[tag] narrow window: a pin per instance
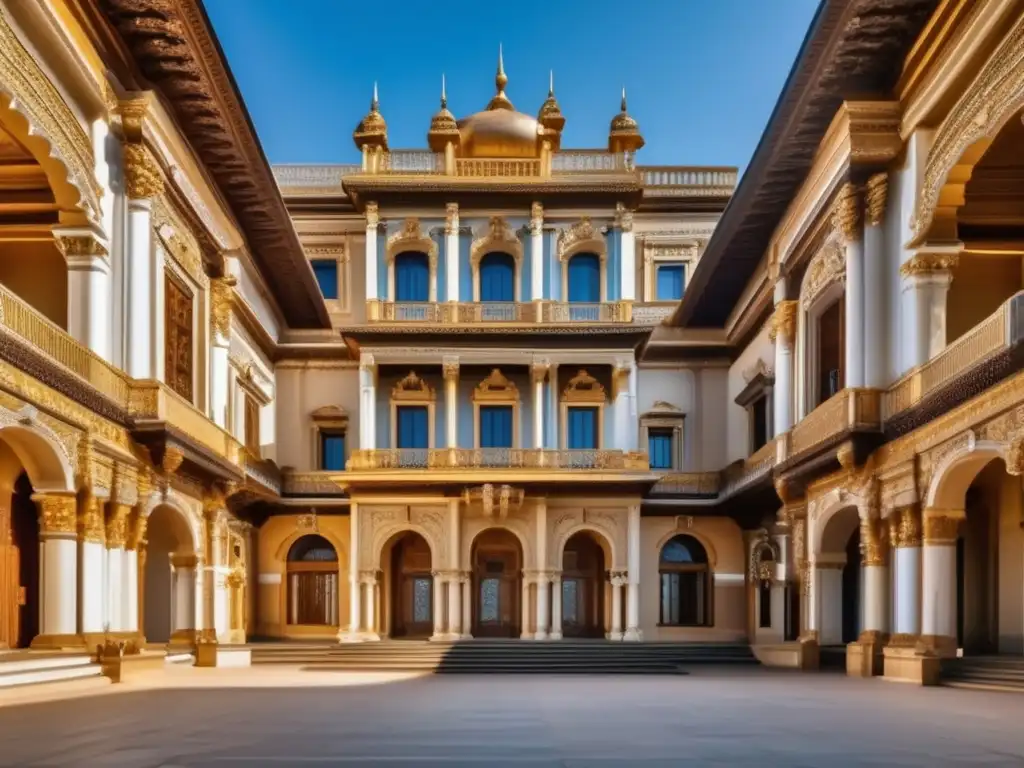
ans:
(660, 447)
(326, 271)
(671, 282)
(177, 337)
(252, 425)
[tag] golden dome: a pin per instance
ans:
(372, 131)
(624, 135)
(443, 128)
(499, 131)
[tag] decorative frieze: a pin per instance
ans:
(117, 526)
(90, 520)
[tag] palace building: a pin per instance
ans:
(499, 387)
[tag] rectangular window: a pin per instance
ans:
(759, 425)
(659, 448)
(332, 451)
(412, 426)
(252, 425)
(582, 428)
(765, 605)
(671, 282)
(830, 352)
(326, 271)
(177, 337)
(496, 426)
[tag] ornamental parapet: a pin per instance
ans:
(994, 337)
(849, 410)
(497, 458)
(497, 313)
(723, 484)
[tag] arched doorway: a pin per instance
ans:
(837, 592)
(169, 577)
(412, 587)
(981, 546)
(23, 565)
(313, 595)
(583, 577)
(685, 582)
(497, 584)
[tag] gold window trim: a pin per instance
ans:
(412, 239)
(583, 390)
(499, 238)
(582, 237)
(496, 389)
(413, 390)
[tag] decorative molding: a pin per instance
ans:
(875, 197)
(498, 237)
(581, 237)
(413, 389)
(496, 388)
(584, 388)
(929, 264)
(411, 237)
(827, 267)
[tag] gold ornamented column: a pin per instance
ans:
(876, 320)
(116, 543)
(213, 522)
(848, 226)
(450, 364)
(783, 333)
(135, 555)
(938, 567)
(93, 557)
(58, 571)
(905, 536)
(864, 658)
(183, 615)
(537, 263)
(222, 291)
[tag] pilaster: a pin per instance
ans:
(537, 264)
(926, 277)
(451, 253)
(624, 222)
(90, 297)
(58, 571)
(782, 333)
(370, 261)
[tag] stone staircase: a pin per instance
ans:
(994, 673)
(505, 656)
(22, 667)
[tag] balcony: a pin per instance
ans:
(497, 458)
(924, 392)
(846, 414)
(676, 181)
(735, 478)
(497, 313)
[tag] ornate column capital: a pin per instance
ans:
(57, 514)
(368, 576)
(90, 520)
(940, 526)
(536, 219)
(372, 215)
(137, 532)
(876, 193)
(623, 218)
(928, 263)
(872, 541)
(117, 526)
(133, 112)
(905, 527)
(539, 370)
(451, 219)
(783, 322)
(79, 244)
(222, 294)
(845, 214)
(450, 365)
(143, 177)
(367, 363)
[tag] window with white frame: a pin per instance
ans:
(661, 433)
(756, 399)
(330, 430)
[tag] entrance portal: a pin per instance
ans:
(412, 585)
(497, 592)
(582, 587)
(21, 568)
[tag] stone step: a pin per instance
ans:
(46, 668)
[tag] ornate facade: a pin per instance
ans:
(500, 387)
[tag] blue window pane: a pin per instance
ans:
(332, 452)
(327, 277)
(585, 278)
(659, 449)
(412, 277)
(496, 426)
(497, 277)
(412, 426)
(582, 428)
(671, 280)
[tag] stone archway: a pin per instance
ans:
(498, 594)
(835, 599)
(169, 577)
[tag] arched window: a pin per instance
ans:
(497, 277)
(313, 582)
(412, 277)
(685, 583)
(585, 278)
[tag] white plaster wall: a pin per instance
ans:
(678, 387)
(737, 423)
(300, 391)
(710, 451)
(248, 288)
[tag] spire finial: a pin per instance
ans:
(623, 98)
(375, 104)
(444, 93)
(500, 79)
(551, 83)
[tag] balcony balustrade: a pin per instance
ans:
(497, 458)
(487, 313)
(849, 410)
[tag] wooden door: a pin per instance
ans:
(582, 587)
(497, 563)
(412, 593)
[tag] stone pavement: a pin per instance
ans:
(285, 717)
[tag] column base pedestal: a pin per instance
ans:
(910, 665)
(526, 636)
(541, 634)
(206, 654)
(555, 636)
(864, 657)
(633, 635)
(809, 652)
(616, 636)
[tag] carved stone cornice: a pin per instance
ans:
(876, 193)
(142, 174)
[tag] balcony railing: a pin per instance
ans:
(496, 458)
(325, 177)
(673, 180)
(485, 313)
(997, 333)
(848, 409)
(24, 321)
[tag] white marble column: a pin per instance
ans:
(783, 334)
(367, 402)
(183, 615)
(438, 613)
(351, 634)
(828, 597)
(524, 630)
(537, 264)
(876, 343)
(847, 223)
(627, 256)
(538, 370)
(117, 577)
(143, 182)
(454, 607)
(92, 556)
(466, 584)
(370, 266)
(633, 564)
(905, 536)
(556, 607)
(926, 278)
(221, 291)
(58, 568)
(451, 401)
(938, 579)
(90, 297)
(623, 425)
(875, 577)
(451, 253)
(617, 581)
(543, 589)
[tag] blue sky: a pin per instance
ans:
(702, 76)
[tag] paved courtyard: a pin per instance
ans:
(273, 718)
